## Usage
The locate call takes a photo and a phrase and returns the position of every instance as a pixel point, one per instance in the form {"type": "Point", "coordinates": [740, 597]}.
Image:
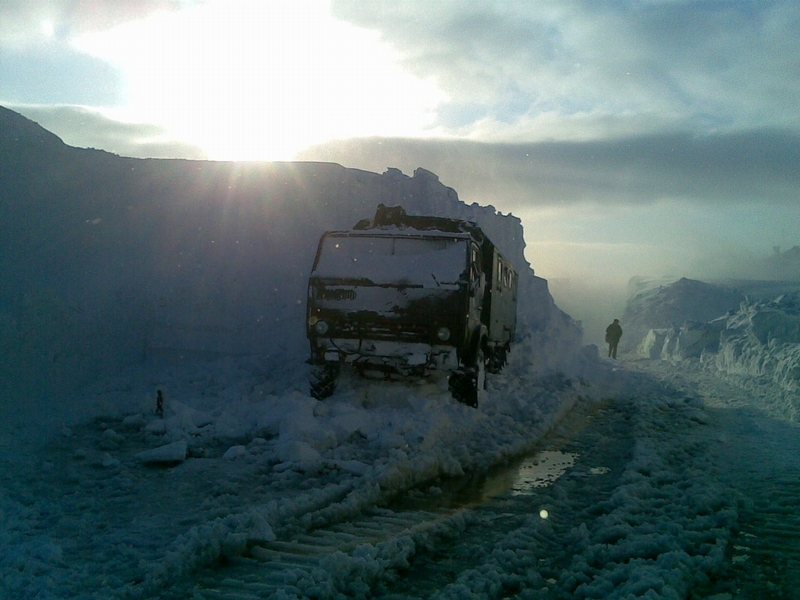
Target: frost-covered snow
{"type": "Point", "coordinates": [103, 497]}
{"type": "Point", "coordinates": [133, 504]}
{"type": "Point", "coordinates": [108, 498]}
{"type": "Point", "coordinates": [756, 342]}
{"type": "Point", "coordinates": [658, 304]}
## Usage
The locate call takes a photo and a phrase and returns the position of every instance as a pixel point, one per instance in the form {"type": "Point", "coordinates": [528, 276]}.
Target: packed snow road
{"type": "Point", "coordinates": [616, 500]}
{"type": "Point", "coordinates": [648, 482]}
{"type": "Point", "coordinates": [758, 458]}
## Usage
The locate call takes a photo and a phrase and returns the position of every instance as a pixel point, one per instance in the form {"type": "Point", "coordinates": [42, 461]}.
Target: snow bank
{"type": "Point", "coordinates": [758, 342]}
{"type": "Point", "coordinates": [209, 274]}
{"type": "Point", "coordinates": [662, 305]}
{"type": "Point", "coordinates": [763, 340]}
{"type": "Point", "coordinates": [691, 340]}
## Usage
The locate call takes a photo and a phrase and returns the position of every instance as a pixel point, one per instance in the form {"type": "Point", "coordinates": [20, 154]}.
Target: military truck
{"type": "Point", "coordinates": [405, 295]}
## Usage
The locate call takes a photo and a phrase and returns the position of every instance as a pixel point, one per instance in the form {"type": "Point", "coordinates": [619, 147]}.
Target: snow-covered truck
{"type": "Point", "coordinates": [409, 295]}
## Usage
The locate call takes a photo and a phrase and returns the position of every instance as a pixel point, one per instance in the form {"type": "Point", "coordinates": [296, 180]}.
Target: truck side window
{"type": "Point", "coordinates": [475, 261]}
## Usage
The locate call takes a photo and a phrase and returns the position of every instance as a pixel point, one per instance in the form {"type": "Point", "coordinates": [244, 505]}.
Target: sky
{"type": "Point", "coordinates": [635, 137]}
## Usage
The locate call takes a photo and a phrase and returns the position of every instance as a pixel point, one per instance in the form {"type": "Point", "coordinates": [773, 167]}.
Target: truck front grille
{"type": "Point", "coordinates": [406, 332]}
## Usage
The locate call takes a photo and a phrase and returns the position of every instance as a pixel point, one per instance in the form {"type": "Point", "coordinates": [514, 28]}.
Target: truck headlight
{"type": "Point", "coordinates": [321, 327]}
{"type": "Point", "coordinates": [443, 334]}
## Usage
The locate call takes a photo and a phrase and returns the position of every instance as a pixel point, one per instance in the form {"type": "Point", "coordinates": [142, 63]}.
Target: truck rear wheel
{"type": "Point", "coordinates": [498, 357]}
{"type": "Point", "coordinates": [323, 379]}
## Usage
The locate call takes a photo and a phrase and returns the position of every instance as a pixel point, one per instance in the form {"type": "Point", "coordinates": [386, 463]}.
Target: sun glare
{"type": "Point", "coordinates": [47, 28]}
{"type": "Point", "coordinates": [252, 80]}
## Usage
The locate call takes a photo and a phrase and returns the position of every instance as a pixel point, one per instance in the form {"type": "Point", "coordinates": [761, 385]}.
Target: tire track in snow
{"type": "Point", "coordinates": [614, 526]}
{"type": "Point", "coordinates": [639, 512]}
{"type": "Point", "coordinates": [763, 458]}
{"type": "Point", "coordinates": [509, 546]}
{"type": "Point", "coordinates": [767, 546]}
{"type": "Point", "coordinates": [429, 536]}
{"type": "Point", "coordinates": [759, 461]}
{"type": "Point", "coordinates": [343, 558]}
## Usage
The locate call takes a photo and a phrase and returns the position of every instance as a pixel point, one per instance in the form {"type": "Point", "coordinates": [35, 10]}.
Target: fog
{"type": "Point", "coordinates": [592, 282]}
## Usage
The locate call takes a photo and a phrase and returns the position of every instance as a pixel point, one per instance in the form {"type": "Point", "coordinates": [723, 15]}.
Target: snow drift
{"type": "Point", "coordinates": [664, 305]}
{"type": "Point", "coordinates": [742, 336]}
{"type": "Point", "coordinates": [110, 261]}
{"type": "Point", "coordinates": [762, 340]}
{"type": "Point", "coordinates": [190, 277]}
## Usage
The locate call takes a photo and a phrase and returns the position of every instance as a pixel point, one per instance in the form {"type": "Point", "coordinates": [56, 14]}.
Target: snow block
{"type": "Point", "coordinates": [695, 338]}
{"type": "Point", "coordinates": [235, 452]}
{"type": "Point", "coordinates": [652, 344]}
{"type": "Point", "coordinates": [169, 454]}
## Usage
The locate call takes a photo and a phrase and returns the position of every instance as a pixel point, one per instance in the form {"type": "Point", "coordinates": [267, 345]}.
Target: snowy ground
{"type": "Point", "coordinates": [249, 488]}
{"type": "Point", "coordinates": [127, 502]}
{"type": "Point", "coordinates": [673, 484]}
{"type": "Point", "coordinates": [757, 457]}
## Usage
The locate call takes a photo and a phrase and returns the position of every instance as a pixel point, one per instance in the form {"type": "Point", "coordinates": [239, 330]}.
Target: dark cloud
{"type": "Point", "coordinates": [89, 129]}
{"type": "Point", "coordinates": [726, 168]}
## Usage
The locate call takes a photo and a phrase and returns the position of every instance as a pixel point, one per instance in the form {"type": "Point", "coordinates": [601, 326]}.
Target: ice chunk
{"type": "Point", "coordinates": [235, 452]}
{"type": "Point", "coordinates": [170, 453]}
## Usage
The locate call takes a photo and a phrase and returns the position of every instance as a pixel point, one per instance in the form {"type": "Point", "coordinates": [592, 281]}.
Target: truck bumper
{"type": "Point", "coordinates": [400, 356]}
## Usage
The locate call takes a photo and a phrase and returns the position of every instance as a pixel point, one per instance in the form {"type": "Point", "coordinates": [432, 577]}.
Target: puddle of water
{"type": "Point", "coordinates": [537, 471]}
{"type": "Point", "coordinates": [521, 478]}
{"type": "Point", "coordinates": [541, 470]}
{"type": "Point", "coordinates": [599, 470]}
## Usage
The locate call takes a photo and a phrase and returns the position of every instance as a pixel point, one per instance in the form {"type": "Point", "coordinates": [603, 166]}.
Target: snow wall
{"type": "Point", "coordinates": [751, 337]}
{"type": "Point", "coordinates": [762, 339]}
{"type": "Point", "coordinates": [107, 260]}
{"type": "Point", "coordinates": [665, 305]}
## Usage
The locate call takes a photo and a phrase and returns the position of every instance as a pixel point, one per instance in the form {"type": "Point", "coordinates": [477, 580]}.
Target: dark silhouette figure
{"type": "Point", "coordinates": [159, 403]}
{"type": "Point", "coordinates": [613, 333]}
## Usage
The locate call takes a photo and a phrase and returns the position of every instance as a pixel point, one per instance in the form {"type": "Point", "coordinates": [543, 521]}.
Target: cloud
{"type": "Point", "coordinates": [53, 72]}
{"type": "Point", "coordinates": [38, 61]}
{"type": "Point", "coordinates": [709, 66]}
{"type": "Point", "coordinates": [23, 22]}
{"type": "Point", "coordinates": [731, 168]}
{"type": "Point", "coordinates": [85, 128]}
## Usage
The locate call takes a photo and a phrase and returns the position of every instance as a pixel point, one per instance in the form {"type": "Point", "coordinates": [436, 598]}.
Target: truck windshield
{"type": "Point", "coordinates": [427, 261]}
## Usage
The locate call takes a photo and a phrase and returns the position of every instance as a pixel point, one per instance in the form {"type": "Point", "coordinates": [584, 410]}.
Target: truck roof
{"type": "Point", "coordinates": [399, 232]}
{"type": "Point", "coordinates": [393, 220]}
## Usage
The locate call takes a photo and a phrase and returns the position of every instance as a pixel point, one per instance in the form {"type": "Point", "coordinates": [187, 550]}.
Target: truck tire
{"type": "Point", "coordinates": [462, 388]}
{"type": "Point", "coordinates": [323, 380]}
{"type": "Point", "coordinates": [498, 358]}
{"type": "Point", "coordinates": [465, 385]}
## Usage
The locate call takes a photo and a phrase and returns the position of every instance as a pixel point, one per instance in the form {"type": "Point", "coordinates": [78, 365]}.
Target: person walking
{"type": "Point", "coordinates": [613, 333]}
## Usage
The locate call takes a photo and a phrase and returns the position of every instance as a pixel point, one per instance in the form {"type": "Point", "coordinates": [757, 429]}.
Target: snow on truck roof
{"type": "Point", "coordinates": [394, 220]}
{"type": "Point", "coordinates": [399, 231]}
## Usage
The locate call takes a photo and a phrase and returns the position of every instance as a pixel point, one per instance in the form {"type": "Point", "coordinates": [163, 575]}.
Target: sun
{"type": "Point", "coordinates": [48, 28]}
{"type": "Point", "coordinates": [252, 80]}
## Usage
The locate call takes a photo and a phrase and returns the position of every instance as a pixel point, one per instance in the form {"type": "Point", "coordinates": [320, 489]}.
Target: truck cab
{"type": "Point", "coordinates": [408, 295]}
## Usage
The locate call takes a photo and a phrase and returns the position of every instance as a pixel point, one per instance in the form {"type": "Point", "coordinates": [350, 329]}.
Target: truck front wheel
{"type": "Point", "coordinates": [323, 379]}
{"type": "Point", "coordinates": [465, 385]}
